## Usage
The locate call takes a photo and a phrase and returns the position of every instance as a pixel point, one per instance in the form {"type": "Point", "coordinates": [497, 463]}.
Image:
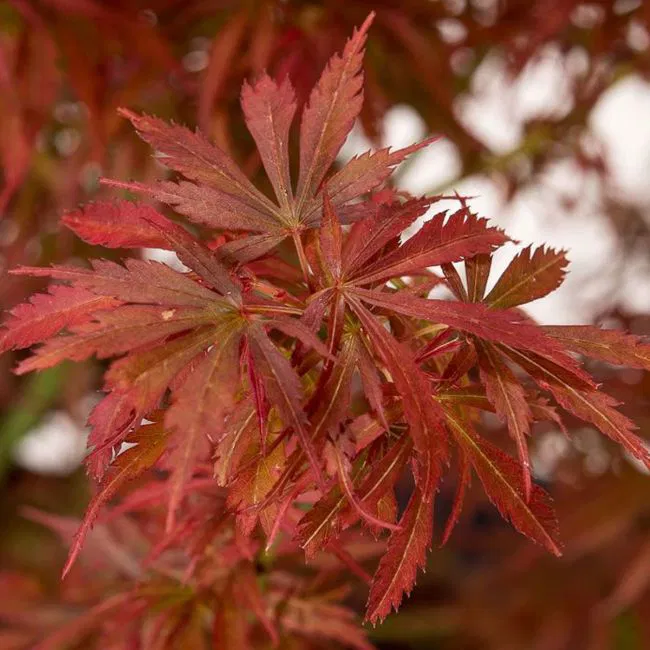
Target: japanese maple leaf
{"type": "Point", "coordinates": [359, 278]}
{"type": "Point", "coordinates": [351, 280]}
{"type": "Point", "coordinates": [529, 276]}
{"type": "Point", "coordinates": [339, 277]}
{"type": "Point", "coordinates": [178, 331]}
{"type": "Point", "coordinates": [217, 193]}
{"type": "Point", "coordinates": [251, 366]}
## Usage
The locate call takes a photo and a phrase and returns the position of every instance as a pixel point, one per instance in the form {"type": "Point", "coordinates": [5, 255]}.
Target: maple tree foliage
{"type": "Point", "coordinates": [297, 367]}
{"type": "Point", "coordinates": [133, 590]}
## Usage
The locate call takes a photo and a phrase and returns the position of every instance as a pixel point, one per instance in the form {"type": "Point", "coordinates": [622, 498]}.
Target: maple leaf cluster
{"type": "Point", "coordinates": [132, 588]}
{"type": "Point", "coordinates": [297, 363]}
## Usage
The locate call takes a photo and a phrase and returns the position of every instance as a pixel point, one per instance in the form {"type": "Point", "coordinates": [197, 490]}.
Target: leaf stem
{"type": "Point", "coordinates": [302, 258]}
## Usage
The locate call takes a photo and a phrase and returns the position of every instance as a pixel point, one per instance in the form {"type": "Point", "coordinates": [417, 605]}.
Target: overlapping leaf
{"type": "Point", "coordinates": [316, 375]}
{"type": "Point", "coordinates": [199, 409]}
{"type": "Point", "coordinates": [221, 196]}
{"type": "Point", "coordinates": [586, 403]}
{"type": "Point", "coordinates": [116, 225]}
{"type": "Point", "coordinates": [509, 399]}
{"type": "Point", "coordinates": [438, 241]}
{"type": "Point", "coordinates": [406, 554]}
{"type": "Point", "coordinates": [149, 444]}
{"type": "Point", "coordinates": [502, 478]}
{"type": "Point", "coordinates": [612, 346]}
{"type": "Point", "coordinates": [47, 314]}
{"type": "Point", "coordinates": [530, 275]}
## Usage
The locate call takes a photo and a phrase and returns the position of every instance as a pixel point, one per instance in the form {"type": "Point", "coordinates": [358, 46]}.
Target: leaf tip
{"type": "Point", "coordinates": [127, 113]}
{"type": "Point", "coordinates": [370, 18]}
{"type": "Point", "coordinates": [72, 557]}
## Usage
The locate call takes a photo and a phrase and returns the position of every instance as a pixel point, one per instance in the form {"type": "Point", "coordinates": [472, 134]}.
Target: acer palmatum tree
{"type": "Point", "coordinates": [296, 370]}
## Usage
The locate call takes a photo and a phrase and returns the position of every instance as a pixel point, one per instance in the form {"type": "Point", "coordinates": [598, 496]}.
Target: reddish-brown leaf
{"type": "Point", "coordinates": [191, 154]}
{"type": "Point", "coordinates": [138, 282]}
{"type": "Point", "coordinates": [384, 473]}
{"type": "Point", "coordinates": [530, 275]}
{"type": "Point", "coordinates": [47, 313]}
{"type": "Point", "coordinates": [150, 444]}
{"type": "Point", "coordinates": [460, 363]}
{"type": "Point", "coordinates": [371, 383]}
{"type": "Point", "coordinates": [330, 240]}
{"type": "Point", "coordinates": [462, 483]}
{"type": "Point", "coordinates": [473, 396]}
{"type": "Point", "coordinates": [147, 374]}
{"type": "Point", "coordinates": [406, 553]}
{"type": "Point", "coordinates": [332, 402]}
{"type": "Point", "coordinates": [116, 224]}
{"type": "Point", "coordinates": [501, 476]}
{"type": "Point", "coordinates": [334, 104]}
{"type": "Point", "coordinates": [334, 398]}
{"type": "Point", "coordinates": [125, 328]}
{"type": "Point", "coordinates": [423, 414]}
{"type": "Point", "coordinates": [477, 272]}
{"type": "Point", "coordinates": [454, 281]}
{"type": "Point", "coordinates": [353, 500]}
{"type": "Point", "coordinates": [298, 330]}
{"type": "Point", "coordinates": [234, 442]}
{"type": "Point", "coordinates": [612, 346]}
{"type": "Point", "coordinates": [383, 225]}
{"type": "Point", "coordinates": [284, 390]}
{"type": "Point", "coordinates": [251, 486]}
{"type": "Point", "coordinates": [198, 409]}
{"type": "Point", "coordinates": [249, 248]}
{"type": "Point", "coordinates": [503, 326]}
{"type": "Point", "coordinates": [586, 403]}
{"type": "Point", "coordinates": [322, 523]}
{"type": "Point", "coordinates": [364, 173]}
{"type": "Point", "coordinates": [269, 108]}
{"type": "Point", "coordinates": [197, 256]}
{"type": "Point", "coordinates": [203, 205]}
{"type": "Point", "coordinates": [437, 242]}
{"type": "Point", "coordinates": [110, 422]}
{"type": "Point", "coordinates": [509, 399]}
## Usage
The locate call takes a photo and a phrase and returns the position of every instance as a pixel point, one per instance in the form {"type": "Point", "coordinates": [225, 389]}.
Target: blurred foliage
{"type": "Point", "coordinates": [66, 65]}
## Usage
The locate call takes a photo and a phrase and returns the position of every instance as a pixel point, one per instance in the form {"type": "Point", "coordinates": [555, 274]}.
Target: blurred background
{"type": "Point", "coordinates": [542, 107]}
